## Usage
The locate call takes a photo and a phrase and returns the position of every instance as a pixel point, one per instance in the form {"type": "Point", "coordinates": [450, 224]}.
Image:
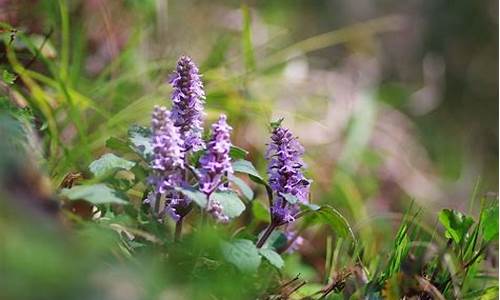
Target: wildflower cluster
{"type": "Point", "coordinates": [177, 167]}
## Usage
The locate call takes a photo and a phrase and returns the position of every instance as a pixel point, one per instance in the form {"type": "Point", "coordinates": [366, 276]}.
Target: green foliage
{"type": "Point", "coordinates": [232, 206]}
{"type": "Point", "coordinates": [330, 216]}
{"type": "Point", "coordinates": [109, 163]}
{"type": "Point", "coordinates": [456, 224]}
{"type": "Point", "coordinates": [243, 254]}
{"type": "Point", "coordinates": [94, 194]}
{"type": "Point", "coordinates": [74, 114]}
{"type": "Point", "coordinates": [273, 257]}
{"type": "Point", "coordinates": [244, 188]}
{"type": "Point", "coordinates": [489, 219]}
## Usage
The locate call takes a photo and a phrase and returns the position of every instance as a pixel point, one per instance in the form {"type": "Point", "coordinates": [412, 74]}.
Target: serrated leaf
{"type": "Point", "coordinates": [243, 254]}
{"type": "Point", "coordinates": [455, 223]}
{"type": "Point", "coordinates": [490, 223]}
{"type": "Point", "coordinates": [273, 257]}
{"type": "Point", "coordinates": [242, 185]}
{"type": "Point", "coordinates": [198, 197]}
{"type": "Point", "coordinates": [232, 206]}
{"type": "Point", "coordinates": [108, 163]}
{"type": "Point", "coordinates": [140, 139]}
{"type": "Point", "coordinates": [95, 194]}
{"type": "Point", "coordinates": [237, 153]}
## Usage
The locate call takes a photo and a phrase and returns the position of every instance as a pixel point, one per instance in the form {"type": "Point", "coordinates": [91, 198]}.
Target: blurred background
{"type": "Point", "coordinates": [394, 101]}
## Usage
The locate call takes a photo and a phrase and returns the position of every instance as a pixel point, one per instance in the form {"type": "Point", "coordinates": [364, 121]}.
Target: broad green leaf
{"type": "Point", "coordinates": [244, 166]}
{"type": "Point", "coordinates": [232, 206]}
{"type": "Point", "coordinates": [95, 194]}
{"type": "Point", "coordinates": [273, 257]}
{"type": "Point", "coordinates": [330, 216]}
{"type": "Point", "coordinates": [455, 223]}
{"type": "Point", "coordinates": [490, 223]}
{"type": "Point", "coordinates": [243, 254]}
{"type": "Point", "coordinates": [198, 197]}
{"type": "Point", "coordinates": [276, 240]}
{"type": "Point", "coordinates": [108, 163]}
{"type": "Point", "coordinates": [140, 139]}
{"type": "Point", "coordinates": [237, 152]}
{"type": "Point", "coordinates": [260, 212]}
{"type": "Point", "coordinates": [243, 186]}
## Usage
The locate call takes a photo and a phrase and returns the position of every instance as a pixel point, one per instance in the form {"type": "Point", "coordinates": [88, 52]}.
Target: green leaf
{"type": "Point", "coordinates": [276, 240]}
{"type": "Point", "coordinates": [455, 223]}
{"type": "Point", "coordinates": [8, 77]}
{"type": "Point", "coordinates": [290, 198]}
{"type": "Point", "coordinates": [243, 186]}
{"type": "Point", "coordinates": [232, 206]}
{"type": "Point", "coordinates": [260, 212]}
{"type": "Point", "coordinates": [108, 163]}
{"type": "Point", "coordinates": [140, 139]}
{"type": "Point", "coordinates": [95, 194]}
{"type": "Point", "coordinates": [118, 145]}
{"type": "Point", "coordinates": [246, 39]}
{"type": "Point", "coordinates": [490, 293]}
{"type": "Point", "coordinates": [243, 254]}
{"type": "Point", "coordinates": [237, 152]}
{"type": "Point", "coordinates": [273, 257]}
{"type": "Point", "coordinates": [490, 223]}
{"type": "Point", "coordinates": [198, 197]}
{"type": "Point", "coordinates": [275, 124]}
{"type": "Point", "coordinates": [332, 217]}
{"type": "Point", "coordinates": [310, 206]}
{"type": "Point", "coordinates": [244, 166]}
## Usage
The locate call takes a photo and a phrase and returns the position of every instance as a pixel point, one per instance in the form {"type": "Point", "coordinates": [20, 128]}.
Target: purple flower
{"type": "Point", "coordinates": [286, 176]}
{"type": "Point", "coordinates": [188, 98]}
{"type": "Point", "coordinates": [167, 165]}
{"type": "Point", "coordinates": [216, 163]}
{"type": "Point", "coordinates": [296, 241]}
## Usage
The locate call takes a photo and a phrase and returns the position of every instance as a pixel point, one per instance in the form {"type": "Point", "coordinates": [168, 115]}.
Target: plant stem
{"type": "Point", "coordinates": [266, 235]}
{"type": "Point", "coordinates": [178, 229]}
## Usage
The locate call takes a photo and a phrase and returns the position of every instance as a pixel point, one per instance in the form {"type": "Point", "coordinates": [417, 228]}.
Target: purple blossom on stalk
{"type": "Point", "coordinates": [215, 164]}
{"type": "Point", "coordinates": [167, 165]}
{"type": "Point", "coordinates": [188, 98]}
{"type": "Point", "coordinates": [286, 176]}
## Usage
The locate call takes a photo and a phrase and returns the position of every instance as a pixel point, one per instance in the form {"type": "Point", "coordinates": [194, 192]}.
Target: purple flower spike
{"type": "Point", "coordinates": [216, 163]}
{"type": "Point", "coordinates": [188, 98]}
{"type": "Point", "coordinates": [286, 176]}
{"type": "Point", "coordinates": [167, 164]}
